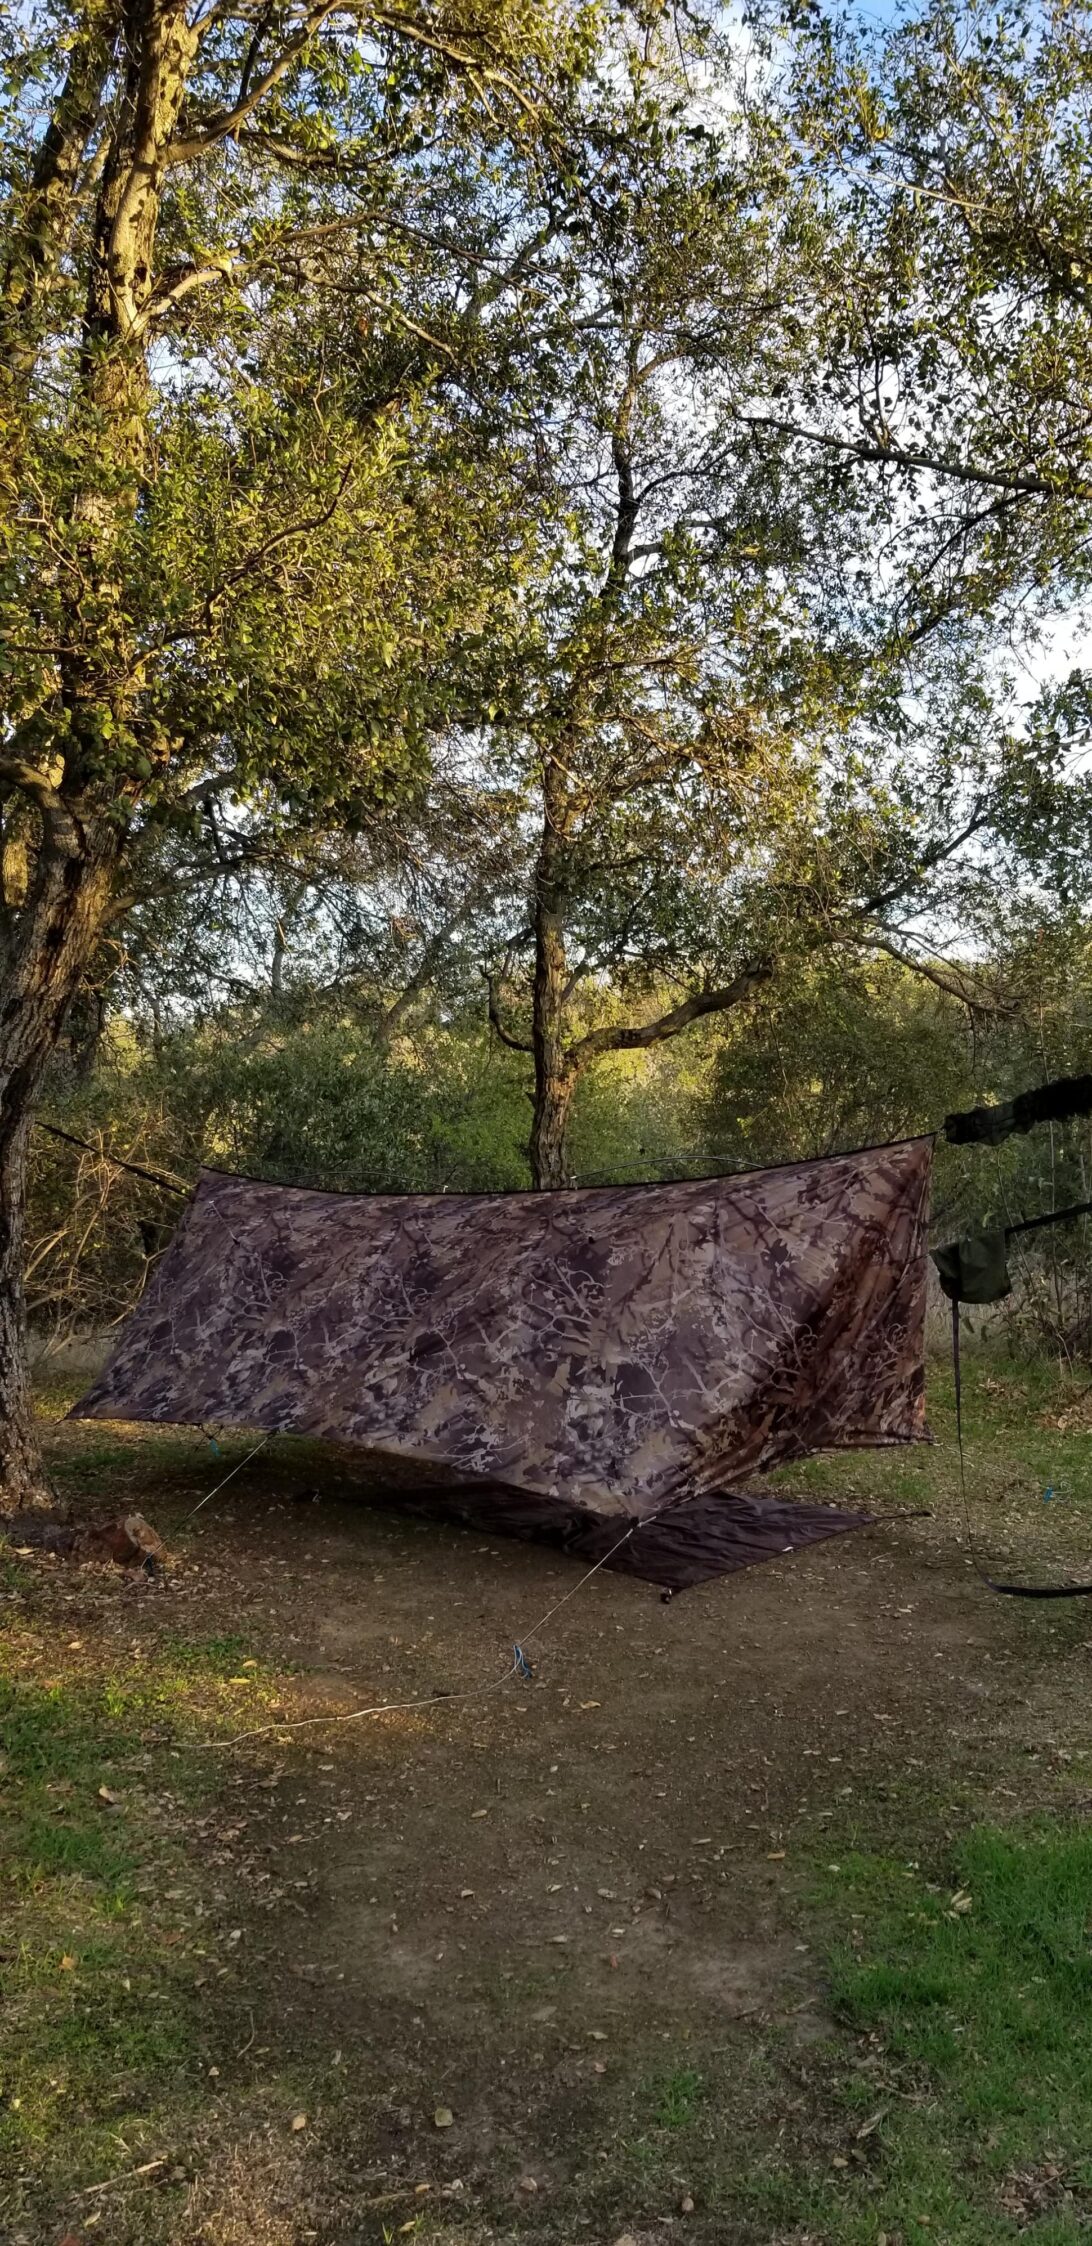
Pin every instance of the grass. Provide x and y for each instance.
(103, 1919)
(100, 2031)
(677, 2096)
(966, 2117)
(951, 2104)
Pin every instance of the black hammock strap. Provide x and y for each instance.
(1007, 1590)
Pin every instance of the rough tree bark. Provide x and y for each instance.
(57, 936)
(56, 760)
(555, 1080)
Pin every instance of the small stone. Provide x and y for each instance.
(686, 2204)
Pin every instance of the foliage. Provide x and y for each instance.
(977, 1982)
(848, 1054)
(956, 138)
(852, 1055)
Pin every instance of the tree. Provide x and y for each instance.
(743, 725)
(246, 247)
(955, 142)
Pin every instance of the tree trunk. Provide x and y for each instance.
(50, 941)
(553, 1098)
(20, 1468)
(555, 1077)
(56, 940)
(39, 238)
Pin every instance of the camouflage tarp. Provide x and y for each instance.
(603, 1350)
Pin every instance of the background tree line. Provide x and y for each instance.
(307, 1084)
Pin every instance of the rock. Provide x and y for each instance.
(130, 1542)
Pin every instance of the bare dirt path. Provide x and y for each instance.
(506, 1948)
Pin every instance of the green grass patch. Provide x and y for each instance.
(966, 2115)
(101, 2029)
(105, 1936)
(952, 2103)
(215, 1656)
(678, 2095)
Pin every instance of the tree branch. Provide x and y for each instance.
(895, 456)
(613, 1039)
(952, 987)
(228, 121)
(15, 772)
(515, 1044)
(926, 864)
(436, 45)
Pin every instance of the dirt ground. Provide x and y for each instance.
(497, 1951)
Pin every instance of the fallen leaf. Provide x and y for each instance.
(111, 1799)
(598, 2035)
(776, 1856)
(299, 2121)
(443, 2117)
(590, 1703)
(68, 1964)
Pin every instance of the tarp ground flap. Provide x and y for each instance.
(601, 1351)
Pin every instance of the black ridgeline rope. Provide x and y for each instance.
(104, 1154)
(1008, 1590)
